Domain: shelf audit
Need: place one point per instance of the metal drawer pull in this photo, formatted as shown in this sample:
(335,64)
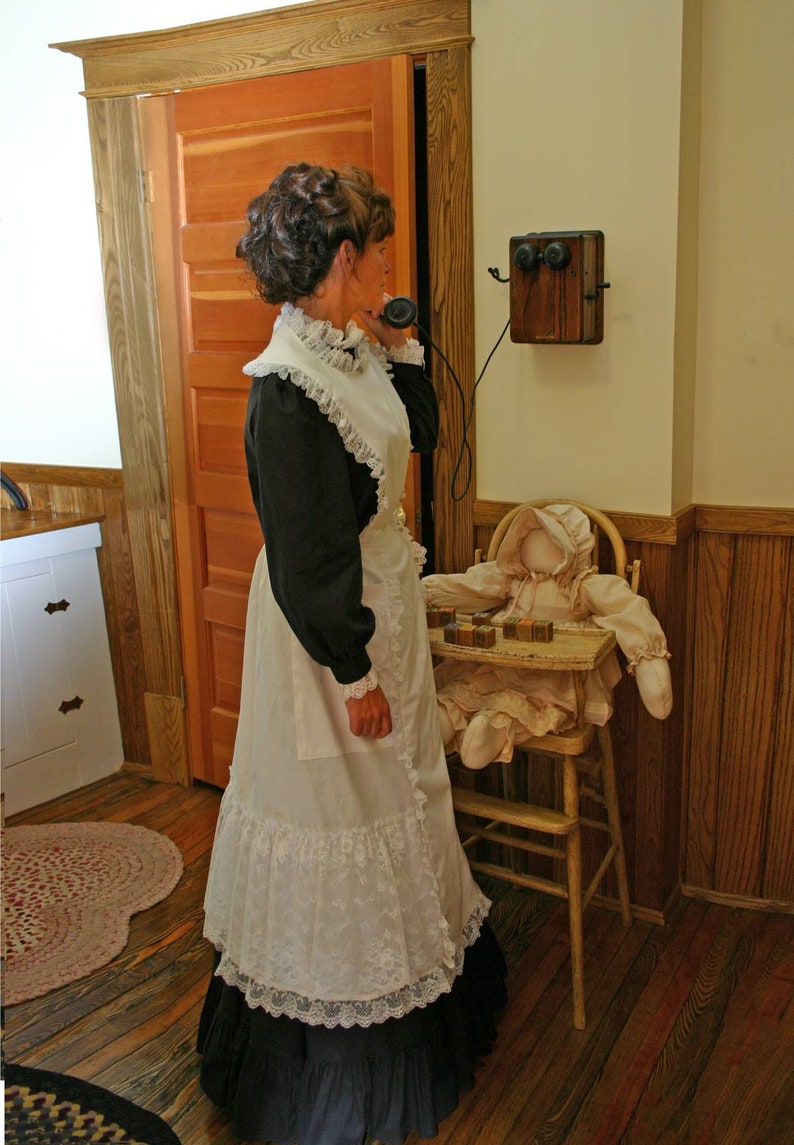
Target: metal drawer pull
(70,705)
(59,606)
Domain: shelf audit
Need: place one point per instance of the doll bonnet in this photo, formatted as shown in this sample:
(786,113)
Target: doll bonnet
(567,526)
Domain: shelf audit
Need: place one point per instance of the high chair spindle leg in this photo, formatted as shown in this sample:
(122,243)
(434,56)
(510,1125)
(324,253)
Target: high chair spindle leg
(613,816)
(573,864)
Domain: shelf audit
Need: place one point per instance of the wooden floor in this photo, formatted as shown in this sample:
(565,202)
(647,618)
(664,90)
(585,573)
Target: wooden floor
(690,1034)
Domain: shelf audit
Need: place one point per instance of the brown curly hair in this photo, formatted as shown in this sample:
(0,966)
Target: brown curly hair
(297,225)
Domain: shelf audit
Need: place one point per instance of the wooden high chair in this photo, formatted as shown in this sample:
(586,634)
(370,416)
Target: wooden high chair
(584,755)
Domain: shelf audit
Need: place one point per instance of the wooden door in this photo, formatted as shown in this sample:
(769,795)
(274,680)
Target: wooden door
(226,144)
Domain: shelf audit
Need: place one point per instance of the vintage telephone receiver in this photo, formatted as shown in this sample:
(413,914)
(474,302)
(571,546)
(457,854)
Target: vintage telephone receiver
(400,312)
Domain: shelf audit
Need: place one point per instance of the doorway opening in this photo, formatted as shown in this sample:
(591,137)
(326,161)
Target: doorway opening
(426,502)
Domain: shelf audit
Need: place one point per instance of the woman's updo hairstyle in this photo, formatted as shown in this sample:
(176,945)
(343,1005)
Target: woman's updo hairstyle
(297,225)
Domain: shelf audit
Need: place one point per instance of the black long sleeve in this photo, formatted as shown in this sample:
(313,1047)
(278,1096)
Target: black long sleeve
(313,499)
(419,398)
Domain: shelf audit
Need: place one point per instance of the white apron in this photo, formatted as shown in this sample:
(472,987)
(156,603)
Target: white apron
(338,891)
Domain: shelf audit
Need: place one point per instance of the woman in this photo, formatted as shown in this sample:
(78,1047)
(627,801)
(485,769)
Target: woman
(355,978)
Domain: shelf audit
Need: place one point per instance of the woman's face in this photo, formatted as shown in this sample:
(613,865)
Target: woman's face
(370,272)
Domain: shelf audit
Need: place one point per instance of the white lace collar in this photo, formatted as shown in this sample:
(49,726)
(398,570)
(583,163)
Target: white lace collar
(345,350)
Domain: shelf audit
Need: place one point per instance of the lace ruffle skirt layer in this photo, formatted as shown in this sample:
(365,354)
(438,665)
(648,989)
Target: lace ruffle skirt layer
(283,1081)
(338,891)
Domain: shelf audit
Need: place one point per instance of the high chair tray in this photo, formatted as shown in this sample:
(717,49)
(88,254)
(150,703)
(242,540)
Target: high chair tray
(569,650)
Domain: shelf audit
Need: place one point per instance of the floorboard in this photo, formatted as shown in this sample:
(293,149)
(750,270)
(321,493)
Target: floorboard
(690,1027)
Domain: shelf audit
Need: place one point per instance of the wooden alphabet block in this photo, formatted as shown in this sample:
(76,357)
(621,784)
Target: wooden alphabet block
(484,636)
(483,617)
(432,617)
(510,628)
(544,631)
(466,635)
(446,616)
(526,629)
(451,633)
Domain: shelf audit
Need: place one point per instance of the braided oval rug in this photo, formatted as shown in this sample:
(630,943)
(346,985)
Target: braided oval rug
(69,890)
(43,1108)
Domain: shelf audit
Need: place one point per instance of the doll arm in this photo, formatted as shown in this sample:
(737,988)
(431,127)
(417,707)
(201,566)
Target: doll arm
(481,586)
(617,609)
(655,686)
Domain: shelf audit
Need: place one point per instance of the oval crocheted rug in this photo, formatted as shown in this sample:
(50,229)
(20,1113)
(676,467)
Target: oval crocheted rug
(69,890)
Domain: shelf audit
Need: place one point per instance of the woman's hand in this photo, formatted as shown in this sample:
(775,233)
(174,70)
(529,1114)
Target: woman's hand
(370,715)
(388,336)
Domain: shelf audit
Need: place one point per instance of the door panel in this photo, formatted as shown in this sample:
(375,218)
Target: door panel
(227,143)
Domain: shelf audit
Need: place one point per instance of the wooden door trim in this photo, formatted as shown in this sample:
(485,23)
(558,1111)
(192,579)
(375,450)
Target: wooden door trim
(137,373)
(289,39)
(451,263)
(319,34)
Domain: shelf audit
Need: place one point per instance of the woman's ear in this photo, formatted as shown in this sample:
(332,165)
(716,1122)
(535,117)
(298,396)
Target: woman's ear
(347,255)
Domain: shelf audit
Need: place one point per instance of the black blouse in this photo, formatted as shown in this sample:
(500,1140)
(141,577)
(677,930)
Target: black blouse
(313,499)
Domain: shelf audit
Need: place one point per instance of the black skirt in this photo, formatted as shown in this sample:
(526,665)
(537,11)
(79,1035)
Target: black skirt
(285,1082)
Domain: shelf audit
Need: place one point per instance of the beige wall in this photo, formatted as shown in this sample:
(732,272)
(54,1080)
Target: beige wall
(58,403)
(745,378)
(579,121)
(687,258)
(599,116)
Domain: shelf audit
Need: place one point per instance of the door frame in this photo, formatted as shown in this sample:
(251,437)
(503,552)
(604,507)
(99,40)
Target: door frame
(118,71)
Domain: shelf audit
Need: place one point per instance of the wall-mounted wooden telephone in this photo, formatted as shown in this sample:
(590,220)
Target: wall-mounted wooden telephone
(557,287)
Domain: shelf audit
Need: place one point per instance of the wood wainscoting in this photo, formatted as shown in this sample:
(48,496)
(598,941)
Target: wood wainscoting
(739,834)
(707,796)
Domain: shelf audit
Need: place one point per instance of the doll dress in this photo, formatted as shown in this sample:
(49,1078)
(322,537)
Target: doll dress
(530,702)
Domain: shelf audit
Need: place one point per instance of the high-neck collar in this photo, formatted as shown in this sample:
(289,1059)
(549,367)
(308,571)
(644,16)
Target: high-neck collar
(345,350)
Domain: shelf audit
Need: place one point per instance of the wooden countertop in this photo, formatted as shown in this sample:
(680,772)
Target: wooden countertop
(29,522)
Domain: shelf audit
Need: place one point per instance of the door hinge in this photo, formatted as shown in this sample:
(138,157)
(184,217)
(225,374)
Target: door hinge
(146,186)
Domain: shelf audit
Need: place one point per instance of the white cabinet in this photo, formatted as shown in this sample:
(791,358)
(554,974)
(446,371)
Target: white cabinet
(60,726)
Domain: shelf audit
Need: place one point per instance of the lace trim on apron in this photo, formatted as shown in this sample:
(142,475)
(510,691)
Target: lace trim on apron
(314,1012)
(347,352)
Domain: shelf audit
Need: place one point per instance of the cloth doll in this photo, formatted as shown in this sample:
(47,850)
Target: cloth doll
(543,570)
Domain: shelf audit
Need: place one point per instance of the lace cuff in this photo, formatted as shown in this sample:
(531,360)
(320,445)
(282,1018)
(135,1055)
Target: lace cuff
(411,351)
(360,687)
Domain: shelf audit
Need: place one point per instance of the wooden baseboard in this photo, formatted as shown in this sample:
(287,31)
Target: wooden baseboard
(742,902)
(141,770)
